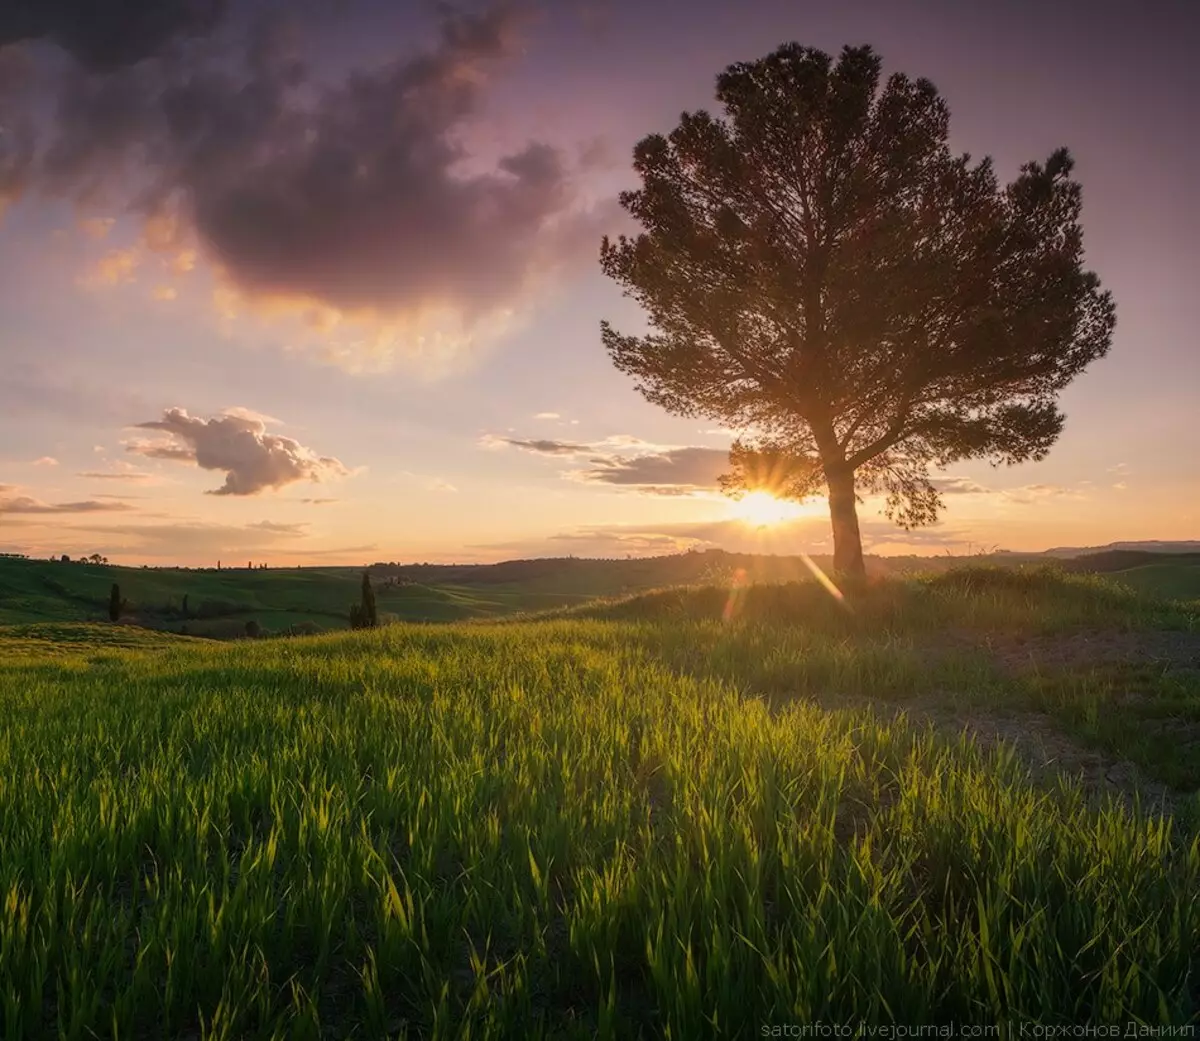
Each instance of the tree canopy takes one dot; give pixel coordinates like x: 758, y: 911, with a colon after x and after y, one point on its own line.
x: 822, y: 273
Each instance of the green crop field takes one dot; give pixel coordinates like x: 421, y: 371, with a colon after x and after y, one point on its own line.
x: 702, y: 812
x: 220, y: 603
x: 1179, y: 581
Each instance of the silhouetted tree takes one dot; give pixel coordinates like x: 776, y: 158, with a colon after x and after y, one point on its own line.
x: 822, y: 274
x: 115, y: 603
x: 368, y: 602
x: 184, y: 610
x: 253, y: 629
x: 363, y: 614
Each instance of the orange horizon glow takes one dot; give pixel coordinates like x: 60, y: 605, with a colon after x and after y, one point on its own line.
x: 761, y: 509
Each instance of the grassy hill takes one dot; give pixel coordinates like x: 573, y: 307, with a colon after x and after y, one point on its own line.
x: 1180, y: 581
x: 220, y: 603
x: 972, y: 798
x: 279, y: 600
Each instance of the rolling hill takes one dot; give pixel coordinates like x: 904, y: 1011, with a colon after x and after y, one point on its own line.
x: 220, y: 603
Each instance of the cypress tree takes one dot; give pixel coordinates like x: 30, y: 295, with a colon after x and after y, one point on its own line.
x: 369, y: 618
x: 114, y: 603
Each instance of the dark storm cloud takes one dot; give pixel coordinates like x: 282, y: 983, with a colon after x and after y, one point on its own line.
x: 238, y: 444
x: 107, y: 34
x: 357, y: 196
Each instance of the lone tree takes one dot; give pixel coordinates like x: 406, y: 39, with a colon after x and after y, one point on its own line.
x: 115, y: 603
x: 362, y: 614
x: 823, y: 275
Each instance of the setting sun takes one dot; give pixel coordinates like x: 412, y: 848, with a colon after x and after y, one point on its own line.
x: 762, y: 509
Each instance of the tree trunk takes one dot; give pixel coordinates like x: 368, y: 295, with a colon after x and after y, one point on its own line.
x: 848, y: 563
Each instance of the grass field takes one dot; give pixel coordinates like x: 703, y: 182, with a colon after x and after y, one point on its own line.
x: 1175, y: 580
x: 695, y: 813
x: 220, y: 603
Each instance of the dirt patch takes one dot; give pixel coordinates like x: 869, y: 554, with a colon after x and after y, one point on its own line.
x: 1039, y: 744
x: 1047, y: 751
x: 1015, y: 652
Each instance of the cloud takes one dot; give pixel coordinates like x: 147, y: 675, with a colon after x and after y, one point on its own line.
x: 354, y: 201
x: 546, y: 415
x: 1031, y: 493
x: 1024, y: 494
x: 959, y: 486
x: 103, y: 36
x: 121, y: 471
x: 115, y: 268
x: 629, y: 462
x: 318, y: 502
x: 277, y: 528
x: 805, y: 534
x: 165, y: 293
x: 238, y: 444
x: 543, y: 446
x: 96, y: 227
x: 46, y: 460
x: 673, y: 472
x: 27, y: 504
x: 334, y: 551
x: 183, y: 540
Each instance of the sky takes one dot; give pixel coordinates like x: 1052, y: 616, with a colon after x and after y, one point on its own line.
x: 318, y: 283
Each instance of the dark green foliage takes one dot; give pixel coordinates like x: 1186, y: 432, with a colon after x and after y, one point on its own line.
x: 114, y: 603
x: 185, y: 605
x: 821, y: 269
x: 368, y: 602
x: 363, y: 615
x: 253, y: 629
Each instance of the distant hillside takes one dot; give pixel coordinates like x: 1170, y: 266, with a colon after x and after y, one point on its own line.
x: 1151, y: 546
x: 222, y: 604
